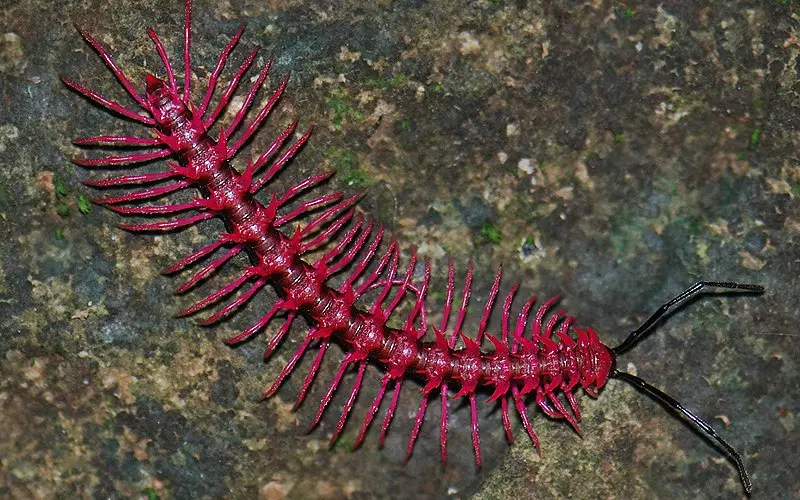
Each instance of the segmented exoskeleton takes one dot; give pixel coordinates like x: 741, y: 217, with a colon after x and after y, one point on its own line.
x: 544, y: 360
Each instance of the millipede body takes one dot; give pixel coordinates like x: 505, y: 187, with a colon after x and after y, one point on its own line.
x: 539, y: 357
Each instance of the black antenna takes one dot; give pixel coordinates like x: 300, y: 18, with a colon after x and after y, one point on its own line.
x: 689, y: 293
x: 701, y: 424
x: 667, y: 401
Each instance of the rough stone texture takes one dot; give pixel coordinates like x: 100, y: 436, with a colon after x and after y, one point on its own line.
x: 611, y: 152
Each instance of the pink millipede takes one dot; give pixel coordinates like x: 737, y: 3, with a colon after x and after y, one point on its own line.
x: 541, y: 360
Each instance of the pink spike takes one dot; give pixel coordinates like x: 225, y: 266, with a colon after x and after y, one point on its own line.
x: 295, y: 238
x: 235, y: 304
x: 323, y: 347
x: 254, y: 328
x: 350, y: 401
x: 329, y: 393
x: 536, y: 329
x: 281, y: 162
x: 391, y: 253
x: 154, y: 209
x: 187, y: 65
x: 185, y: 172
x: 528, y: 346
x: 529, y: 385
x: 500, y: 347
x: 573, y: 404
x: 328, y: 233
x: 563, y: 332
x: 373, y: 409
x: 194, y: 257
x: 155, y: 192
x: 212, y: 204
x: 523, y: 415
x: 272, y: 208
x: 592, y: 335
x: 276, y: 339
x: 223, y: 57
x: 554, y: 384
x: 522, y: 319
x: 466, y: 389
x: 162, y: 53
x: 171, y: 142
x: 476, y: 439
x: 221, y: 147
x: 348, y: 257
x: 548, y: 344
x: 248, y: 132
x: 205, y: 271
x: 117, y: 140
x: 106, y: 57
x: 387, y: 419
x: 113, y: 161
x: 254, y: 167
x: 470, y: 346
x: 307, y: 207
x: 129, y: 179
x: 441, y: 343
x: 545, y: 406
x: 394, y: 282
x: 417, y: 425
x: 376, y: 309
x: 170, y: 224
x: 233, y: 84
x: 107, y: 103
x: 419, y: 305
x: 563, y: 410
x: 432, y: 383
x: 301, y: 186
x: 326, y: 215
x: 219, y: 294
x: 487, y: 310
x: 506, y: 422
x: 404, y: 286
x: 507, y: 312
x: 583, y: 338
x: 248, y: 100
x: 288, y: 368
x: 443, y: 423
x: 551, y: 323
x: 462, y: 312
x: 573, y: 382
x: 363, y: 262
x: 451, y: 277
